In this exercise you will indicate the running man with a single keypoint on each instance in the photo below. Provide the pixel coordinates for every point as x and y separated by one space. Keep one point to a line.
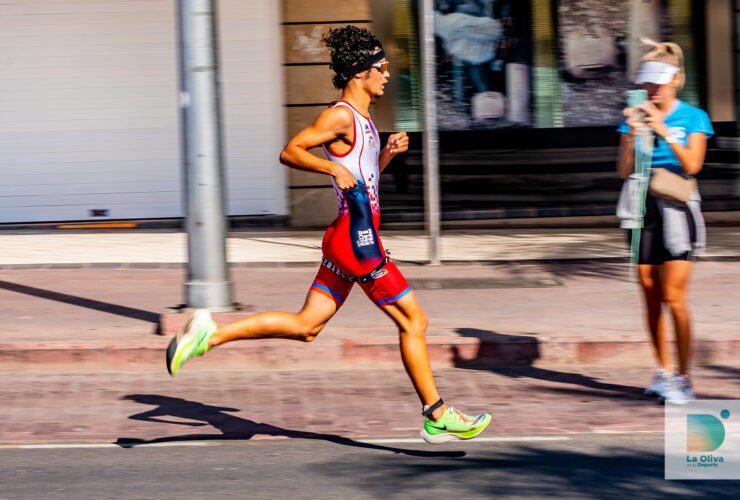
352 251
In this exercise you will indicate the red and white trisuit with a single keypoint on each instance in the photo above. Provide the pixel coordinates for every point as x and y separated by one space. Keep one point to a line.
351 246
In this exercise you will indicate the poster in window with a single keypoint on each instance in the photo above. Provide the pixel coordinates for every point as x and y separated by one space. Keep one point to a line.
483 63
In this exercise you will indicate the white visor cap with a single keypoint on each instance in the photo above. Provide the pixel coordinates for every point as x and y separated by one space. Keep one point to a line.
656 72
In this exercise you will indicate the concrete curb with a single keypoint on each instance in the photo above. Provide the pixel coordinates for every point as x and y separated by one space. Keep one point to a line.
349 354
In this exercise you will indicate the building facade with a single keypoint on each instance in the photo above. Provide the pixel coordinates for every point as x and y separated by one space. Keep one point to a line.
90 122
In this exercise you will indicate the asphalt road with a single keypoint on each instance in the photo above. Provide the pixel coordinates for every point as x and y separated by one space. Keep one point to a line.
568 466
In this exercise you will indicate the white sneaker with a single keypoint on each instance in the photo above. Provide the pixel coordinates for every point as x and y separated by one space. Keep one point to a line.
678 390
657 387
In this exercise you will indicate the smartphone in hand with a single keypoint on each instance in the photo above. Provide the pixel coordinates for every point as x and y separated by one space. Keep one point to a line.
636 97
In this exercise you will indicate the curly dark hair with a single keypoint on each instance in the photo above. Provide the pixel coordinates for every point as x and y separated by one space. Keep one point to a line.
348 45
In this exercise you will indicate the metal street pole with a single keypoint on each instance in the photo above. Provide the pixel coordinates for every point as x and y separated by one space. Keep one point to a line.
431 140
208 283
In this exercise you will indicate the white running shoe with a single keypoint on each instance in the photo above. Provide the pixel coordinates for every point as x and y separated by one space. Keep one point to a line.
657 387
678 390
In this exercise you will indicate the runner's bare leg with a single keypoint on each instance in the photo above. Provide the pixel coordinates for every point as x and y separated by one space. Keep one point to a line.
675 283
412 325
304 325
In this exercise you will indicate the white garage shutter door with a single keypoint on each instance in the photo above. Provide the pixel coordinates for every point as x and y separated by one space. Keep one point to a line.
89 117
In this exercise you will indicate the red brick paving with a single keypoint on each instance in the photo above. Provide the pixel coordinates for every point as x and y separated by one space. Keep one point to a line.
93 398
40 407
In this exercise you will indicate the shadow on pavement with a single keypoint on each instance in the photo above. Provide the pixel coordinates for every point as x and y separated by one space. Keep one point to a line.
233 427
604 269
74 300
497 348
525 471
512 356
724 371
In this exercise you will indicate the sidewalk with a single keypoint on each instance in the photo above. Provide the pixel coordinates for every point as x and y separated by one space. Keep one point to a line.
93 301
164 246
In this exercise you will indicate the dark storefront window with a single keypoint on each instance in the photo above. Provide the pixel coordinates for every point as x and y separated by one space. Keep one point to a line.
529 93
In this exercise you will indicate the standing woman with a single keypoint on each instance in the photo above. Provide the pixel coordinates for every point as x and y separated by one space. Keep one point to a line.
671 234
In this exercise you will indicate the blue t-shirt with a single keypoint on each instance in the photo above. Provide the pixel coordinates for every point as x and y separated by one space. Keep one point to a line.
682 121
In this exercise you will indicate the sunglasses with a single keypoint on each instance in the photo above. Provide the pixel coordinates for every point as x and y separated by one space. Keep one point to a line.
381 66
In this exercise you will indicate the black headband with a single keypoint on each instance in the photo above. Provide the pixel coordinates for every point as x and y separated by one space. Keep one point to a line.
364 65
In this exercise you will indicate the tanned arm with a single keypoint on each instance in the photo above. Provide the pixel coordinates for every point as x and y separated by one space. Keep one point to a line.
331 125
626 158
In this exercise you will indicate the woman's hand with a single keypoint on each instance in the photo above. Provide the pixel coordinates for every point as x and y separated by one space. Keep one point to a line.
653 118
634 118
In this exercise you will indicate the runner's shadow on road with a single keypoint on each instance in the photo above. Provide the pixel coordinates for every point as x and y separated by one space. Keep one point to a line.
169 410
513 355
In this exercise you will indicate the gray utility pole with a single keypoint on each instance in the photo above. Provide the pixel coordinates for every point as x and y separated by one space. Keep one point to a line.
208 283
431 140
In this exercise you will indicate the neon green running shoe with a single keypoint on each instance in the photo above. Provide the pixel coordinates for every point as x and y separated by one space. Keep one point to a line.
454 424
191 340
